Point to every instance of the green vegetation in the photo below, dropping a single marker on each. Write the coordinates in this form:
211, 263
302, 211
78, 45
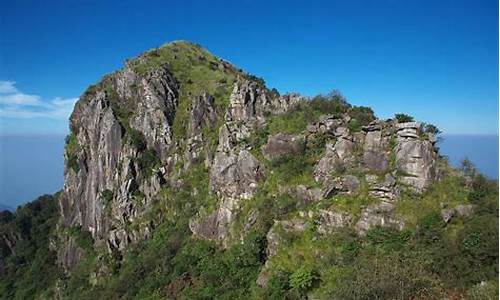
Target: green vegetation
296, 120
148, 160
427, 259
302, 279
196, 71
403, 118
72, 149
31, 271
360, 116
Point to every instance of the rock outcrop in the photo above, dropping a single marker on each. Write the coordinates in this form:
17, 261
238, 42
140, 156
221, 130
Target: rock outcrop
235, 173
142, 129
415, 157
282, 144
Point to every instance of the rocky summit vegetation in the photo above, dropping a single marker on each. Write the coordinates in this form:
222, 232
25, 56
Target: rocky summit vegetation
187, 178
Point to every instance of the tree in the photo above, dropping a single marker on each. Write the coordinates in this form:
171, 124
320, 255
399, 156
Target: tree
403, 118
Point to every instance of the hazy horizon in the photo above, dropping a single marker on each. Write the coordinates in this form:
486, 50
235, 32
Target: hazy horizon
38, 160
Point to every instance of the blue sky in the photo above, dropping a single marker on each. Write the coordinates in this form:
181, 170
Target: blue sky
436, 60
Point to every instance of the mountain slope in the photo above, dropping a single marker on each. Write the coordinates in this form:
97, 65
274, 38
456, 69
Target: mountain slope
188, 178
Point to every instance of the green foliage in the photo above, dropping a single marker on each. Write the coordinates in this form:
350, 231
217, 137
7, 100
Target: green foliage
32, 270
430, 128
196, 71
302, 279
360, 116
277, 287
387, 239
147, 161
449, 191
393, 276
426, 260
484, 291
82, 238
403, 118
137, 139
295, 120
107, 198
72, 149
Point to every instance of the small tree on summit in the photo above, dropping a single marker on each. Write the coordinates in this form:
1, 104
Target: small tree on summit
403, 118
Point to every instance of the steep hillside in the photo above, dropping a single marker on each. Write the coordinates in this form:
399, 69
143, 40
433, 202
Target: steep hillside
187, 178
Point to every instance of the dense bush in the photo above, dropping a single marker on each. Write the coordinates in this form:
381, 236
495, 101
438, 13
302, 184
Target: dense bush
302, 279
403, 118
72, 148
360, 116
31, 270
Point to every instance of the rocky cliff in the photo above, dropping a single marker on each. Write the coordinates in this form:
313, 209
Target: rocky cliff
187, 178
141, 129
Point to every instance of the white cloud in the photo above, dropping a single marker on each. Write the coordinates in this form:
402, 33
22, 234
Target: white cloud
7, 87
20, 99
16, 104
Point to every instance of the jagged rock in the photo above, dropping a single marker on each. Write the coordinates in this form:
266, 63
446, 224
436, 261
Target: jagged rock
312, 128
371, 179
327, 124
386, 190
331, 220
107, 161
346, 184
375, 156
203, 112
273, 238
263, 277
282, 144
377, 215
304, 194
249, 102
335, 156
463, 210
69, 254
235, 175
215, 225
408, 130
416, 160
127, 152
447, 214
9, 239
235, 172
375, 160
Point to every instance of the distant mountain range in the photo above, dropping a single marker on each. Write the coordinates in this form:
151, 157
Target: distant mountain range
5, 207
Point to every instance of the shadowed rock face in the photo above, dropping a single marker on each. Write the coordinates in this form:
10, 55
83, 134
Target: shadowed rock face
282, 144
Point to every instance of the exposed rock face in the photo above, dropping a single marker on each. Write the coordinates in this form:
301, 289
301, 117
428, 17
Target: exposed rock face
306, 195
386, 190
331, 220
282, 144
249, 102
415, 158
273, 238
235, 172
236, 175
106, 161
380, 214
462, 210
345, 184
375, 155
138, 132
336, 155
